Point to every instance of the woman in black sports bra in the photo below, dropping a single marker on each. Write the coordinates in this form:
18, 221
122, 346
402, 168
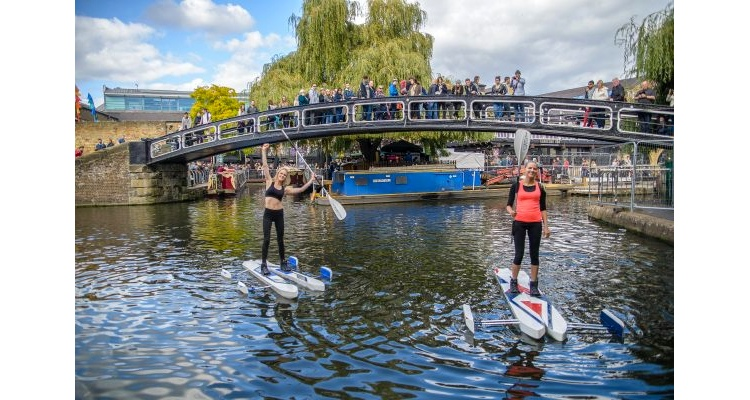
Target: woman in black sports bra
276, 188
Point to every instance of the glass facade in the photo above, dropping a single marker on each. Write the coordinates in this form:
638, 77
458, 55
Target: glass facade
145, 101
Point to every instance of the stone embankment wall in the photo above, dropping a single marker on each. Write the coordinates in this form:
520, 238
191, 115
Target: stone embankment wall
88, 132
648, 225
110, 177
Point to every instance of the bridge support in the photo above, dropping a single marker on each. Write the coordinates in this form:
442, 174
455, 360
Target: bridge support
119, 176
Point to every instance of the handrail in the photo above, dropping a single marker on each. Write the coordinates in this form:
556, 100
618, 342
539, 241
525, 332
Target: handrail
616, 121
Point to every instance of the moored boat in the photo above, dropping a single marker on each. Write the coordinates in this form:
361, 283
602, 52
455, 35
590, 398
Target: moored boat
415, 183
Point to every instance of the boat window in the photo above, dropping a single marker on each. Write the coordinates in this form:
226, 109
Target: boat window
401, 180
360, 182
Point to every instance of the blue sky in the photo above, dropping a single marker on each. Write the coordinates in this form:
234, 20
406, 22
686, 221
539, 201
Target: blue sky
174, 44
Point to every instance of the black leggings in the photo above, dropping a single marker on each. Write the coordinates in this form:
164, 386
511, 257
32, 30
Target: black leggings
534, 230
276, 217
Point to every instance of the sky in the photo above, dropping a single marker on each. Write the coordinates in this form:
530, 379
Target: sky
183, 44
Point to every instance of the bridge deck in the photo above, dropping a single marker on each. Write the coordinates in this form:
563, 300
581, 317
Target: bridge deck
503, 115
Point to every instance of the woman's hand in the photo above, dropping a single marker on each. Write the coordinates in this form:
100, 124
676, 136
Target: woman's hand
547, 232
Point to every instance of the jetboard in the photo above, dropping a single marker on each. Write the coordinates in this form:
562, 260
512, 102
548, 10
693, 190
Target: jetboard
278, 284
303, 280
536, 315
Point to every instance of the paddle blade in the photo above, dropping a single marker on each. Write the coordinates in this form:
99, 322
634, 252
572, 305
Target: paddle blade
521, 144
468, 318
338, 209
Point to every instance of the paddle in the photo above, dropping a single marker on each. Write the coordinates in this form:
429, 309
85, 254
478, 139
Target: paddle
521, 146
338, 209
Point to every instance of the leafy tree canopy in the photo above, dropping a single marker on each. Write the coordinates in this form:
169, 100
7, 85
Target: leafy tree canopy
220, 101
333, 50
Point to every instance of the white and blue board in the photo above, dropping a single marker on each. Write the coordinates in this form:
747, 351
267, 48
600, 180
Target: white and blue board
278, 284
537, 316
529, 310
303, 280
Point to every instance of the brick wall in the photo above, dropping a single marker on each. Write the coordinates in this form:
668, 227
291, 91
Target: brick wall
109, 177
88, 132
103, 177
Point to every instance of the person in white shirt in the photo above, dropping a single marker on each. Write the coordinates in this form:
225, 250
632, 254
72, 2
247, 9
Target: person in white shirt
599, 92
205, 119
185, 122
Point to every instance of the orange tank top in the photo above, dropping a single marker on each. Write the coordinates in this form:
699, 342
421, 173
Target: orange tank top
527, 204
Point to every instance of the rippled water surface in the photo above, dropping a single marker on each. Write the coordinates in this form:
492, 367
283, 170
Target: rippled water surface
156, 320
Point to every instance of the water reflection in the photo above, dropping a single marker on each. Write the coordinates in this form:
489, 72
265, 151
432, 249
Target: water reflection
155, 319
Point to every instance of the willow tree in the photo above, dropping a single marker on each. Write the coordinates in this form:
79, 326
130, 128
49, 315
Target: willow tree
333, 50
649, 49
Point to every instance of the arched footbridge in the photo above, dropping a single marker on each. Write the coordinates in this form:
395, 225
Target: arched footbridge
560, 117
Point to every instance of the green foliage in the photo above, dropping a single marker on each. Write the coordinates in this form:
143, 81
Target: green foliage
220, 101
333, 50
649, 49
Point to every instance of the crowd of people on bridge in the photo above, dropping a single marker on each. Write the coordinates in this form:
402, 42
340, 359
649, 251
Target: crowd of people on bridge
503, 86
368, 89
438, 87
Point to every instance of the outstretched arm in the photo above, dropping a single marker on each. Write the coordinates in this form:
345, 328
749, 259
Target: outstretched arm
293, 190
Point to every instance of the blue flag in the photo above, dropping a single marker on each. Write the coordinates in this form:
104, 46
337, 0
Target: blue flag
93, 108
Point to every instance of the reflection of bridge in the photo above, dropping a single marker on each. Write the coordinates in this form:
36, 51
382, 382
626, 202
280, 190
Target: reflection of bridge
558, 117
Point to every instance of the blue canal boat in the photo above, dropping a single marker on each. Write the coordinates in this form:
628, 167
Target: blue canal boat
398, 184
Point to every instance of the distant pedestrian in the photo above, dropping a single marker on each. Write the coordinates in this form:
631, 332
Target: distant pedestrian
618, 92
185, 123
645, 96
518, 85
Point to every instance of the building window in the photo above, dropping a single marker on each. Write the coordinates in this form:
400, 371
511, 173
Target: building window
114, 103
132, 103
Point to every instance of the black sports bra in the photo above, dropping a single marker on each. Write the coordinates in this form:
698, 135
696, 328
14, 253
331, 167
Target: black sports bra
275, 193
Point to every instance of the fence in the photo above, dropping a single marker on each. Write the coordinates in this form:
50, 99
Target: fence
639, 175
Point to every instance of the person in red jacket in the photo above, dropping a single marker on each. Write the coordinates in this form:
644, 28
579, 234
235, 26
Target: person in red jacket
79, 151
529, 218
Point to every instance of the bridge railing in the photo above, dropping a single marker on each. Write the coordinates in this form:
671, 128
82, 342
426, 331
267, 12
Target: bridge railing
587, 117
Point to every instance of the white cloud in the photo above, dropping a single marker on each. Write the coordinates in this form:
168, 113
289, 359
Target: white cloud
556, 44
248, 55
108, 49
201, 15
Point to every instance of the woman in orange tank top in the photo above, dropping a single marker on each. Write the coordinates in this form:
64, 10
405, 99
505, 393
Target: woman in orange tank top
529, 218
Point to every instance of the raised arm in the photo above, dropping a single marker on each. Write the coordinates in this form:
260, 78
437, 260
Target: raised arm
264, 158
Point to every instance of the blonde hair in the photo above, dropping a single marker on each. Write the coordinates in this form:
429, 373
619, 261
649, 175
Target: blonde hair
288, 179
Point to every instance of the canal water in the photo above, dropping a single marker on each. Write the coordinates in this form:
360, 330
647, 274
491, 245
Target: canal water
155, 319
